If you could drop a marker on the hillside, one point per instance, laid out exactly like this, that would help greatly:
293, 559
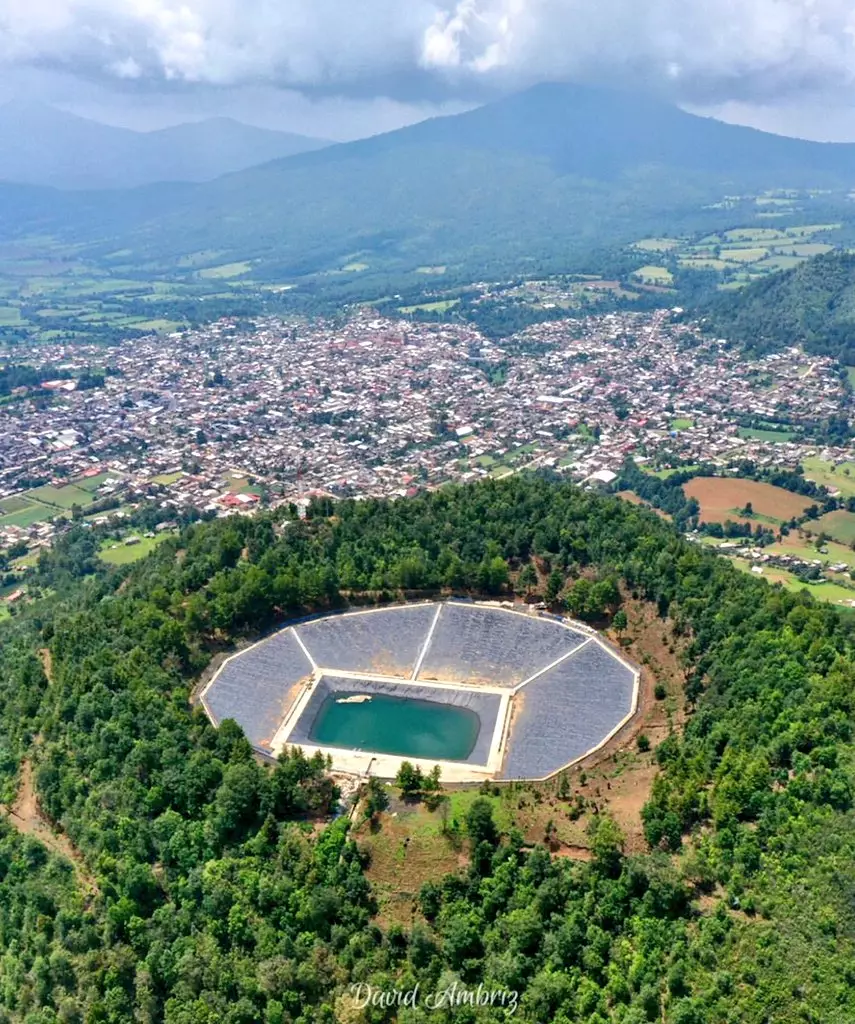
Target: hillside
812, 305
40, 145
529, 183
204, 886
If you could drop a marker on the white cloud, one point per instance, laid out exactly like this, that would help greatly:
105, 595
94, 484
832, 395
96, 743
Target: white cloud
722, 47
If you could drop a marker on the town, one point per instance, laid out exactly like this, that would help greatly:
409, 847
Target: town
240, 415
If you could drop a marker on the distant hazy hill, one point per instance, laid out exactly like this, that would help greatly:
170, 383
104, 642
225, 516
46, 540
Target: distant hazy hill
40, 145
524, 184
813, 305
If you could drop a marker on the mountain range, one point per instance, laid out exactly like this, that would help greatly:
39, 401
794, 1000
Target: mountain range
40, 145
530, 182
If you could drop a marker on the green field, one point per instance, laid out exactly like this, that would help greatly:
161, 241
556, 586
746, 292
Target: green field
441, 306
663, 474
33, 513
654, 275
840, 525
61, 497
118, 553
681, 423
225, 271
841, 477
658, 244
757, 434
741, 254
92, 483
14, 504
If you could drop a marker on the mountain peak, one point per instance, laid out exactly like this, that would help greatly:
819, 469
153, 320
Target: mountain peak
44, 145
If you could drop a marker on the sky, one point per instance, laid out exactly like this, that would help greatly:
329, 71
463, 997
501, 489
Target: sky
347, 68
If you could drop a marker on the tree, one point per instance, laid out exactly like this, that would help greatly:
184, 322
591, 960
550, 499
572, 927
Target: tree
554, 586
480, 826
376, 799
526, 580
409, 779
619, 622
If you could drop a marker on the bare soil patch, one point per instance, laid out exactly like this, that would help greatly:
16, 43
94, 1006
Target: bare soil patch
47, 663
635, 499
720, 497
26, 816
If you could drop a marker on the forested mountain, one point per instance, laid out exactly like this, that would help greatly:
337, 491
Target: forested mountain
527, 182
813, 305
202, 897
40, 145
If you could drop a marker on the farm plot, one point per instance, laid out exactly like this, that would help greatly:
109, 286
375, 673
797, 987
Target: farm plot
29, 515
63, 498
721, 498
840, 476
122, 553
840, 525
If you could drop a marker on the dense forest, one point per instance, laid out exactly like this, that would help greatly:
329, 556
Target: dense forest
812, 304
202, 893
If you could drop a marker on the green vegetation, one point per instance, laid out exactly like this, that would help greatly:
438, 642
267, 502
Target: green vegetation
759, 434
121, 553
839, 476
840, 525
199, 890
813, 304
649, 274
490, 194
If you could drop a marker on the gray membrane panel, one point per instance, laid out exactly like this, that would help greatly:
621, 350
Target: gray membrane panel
386, 642
258, 687
474, 644
567, 712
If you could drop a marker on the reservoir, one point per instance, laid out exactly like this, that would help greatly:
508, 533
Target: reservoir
396, 725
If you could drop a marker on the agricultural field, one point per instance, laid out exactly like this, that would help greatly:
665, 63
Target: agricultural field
663, 474
721, 497
441, 306
831, 588
61, 498
44, 503
740, 254
840, 525
28, 515
65, 298
838, 477
225, 271
651, 274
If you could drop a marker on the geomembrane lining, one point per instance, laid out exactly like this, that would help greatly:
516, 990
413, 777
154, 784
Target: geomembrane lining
256, 687
475, 644
385, 642
565, 711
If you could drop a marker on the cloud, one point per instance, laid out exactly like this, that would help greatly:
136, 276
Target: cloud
700, 49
